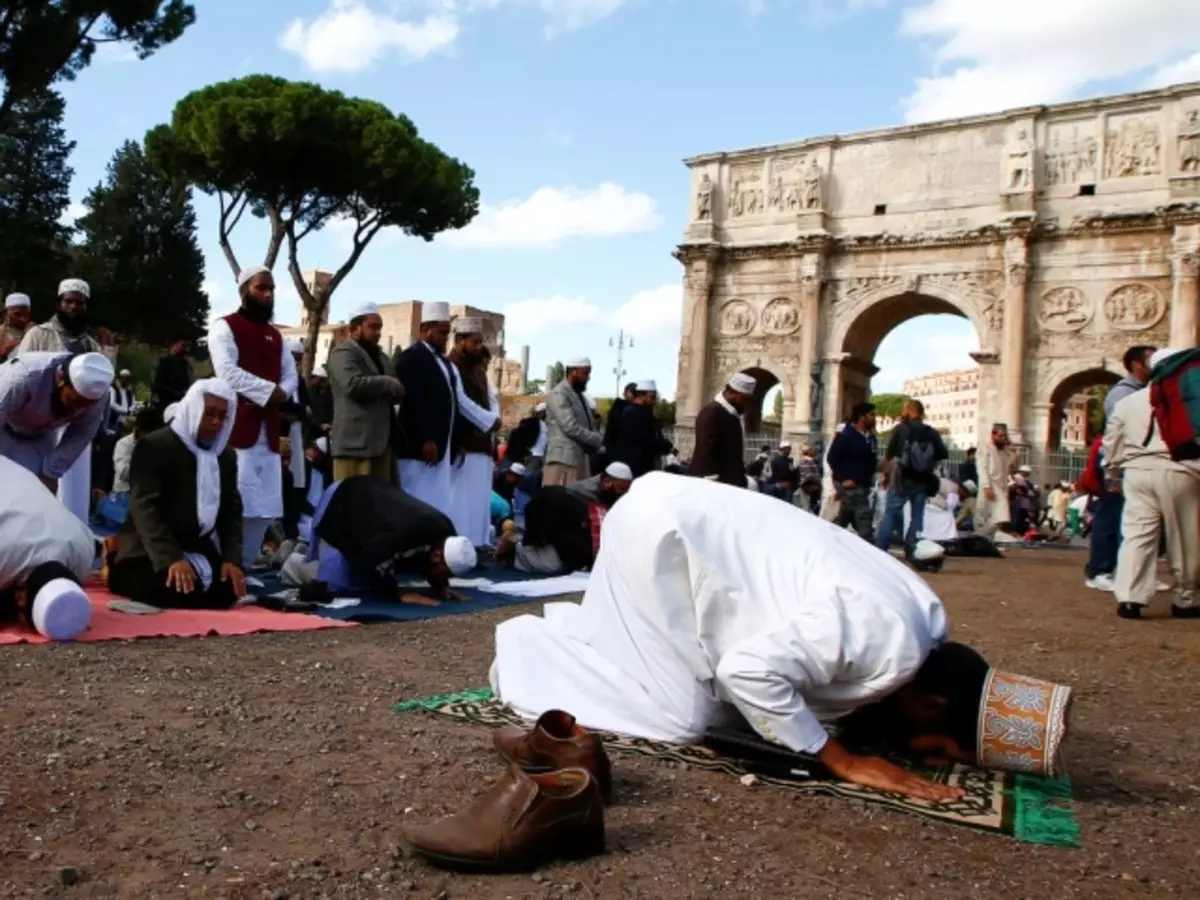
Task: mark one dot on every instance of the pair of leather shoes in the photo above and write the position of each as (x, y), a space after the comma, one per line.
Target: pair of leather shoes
(548, 805)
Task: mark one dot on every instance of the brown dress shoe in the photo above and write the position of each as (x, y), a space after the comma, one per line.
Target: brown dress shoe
(556, 742)
(524, 821)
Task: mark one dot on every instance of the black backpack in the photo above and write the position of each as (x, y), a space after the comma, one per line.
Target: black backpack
(919, 453)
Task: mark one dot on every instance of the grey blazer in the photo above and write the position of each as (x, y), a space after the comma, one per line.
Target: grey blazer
(362, 402)
(571, 431)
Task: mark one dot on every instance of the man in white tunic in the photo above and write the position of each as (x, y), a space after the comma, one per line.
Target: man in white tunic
(249, 354)
(691, 615)
(471, 475)
(51, 407)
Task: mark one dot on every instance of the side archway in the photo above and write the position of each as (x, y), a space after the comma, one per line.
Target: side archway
(1076, 423)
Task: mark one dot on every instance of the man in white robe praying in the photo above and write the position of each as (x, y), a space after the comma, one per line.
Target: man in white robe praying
(473, 466)
(692, 616)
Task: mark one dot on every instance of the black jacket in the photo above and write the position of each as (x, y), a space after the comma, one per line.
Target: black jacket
(522, 438)
(427, 413)
(172, 378)
(557, 518)
(639, 441)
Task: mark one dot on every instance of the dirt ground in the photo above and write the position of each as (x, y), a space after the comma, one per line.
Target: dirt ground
(272, 766)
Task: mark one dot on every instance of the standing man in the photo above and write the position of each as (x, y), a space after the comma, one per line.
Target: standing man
(433, 397)
(719, 454)
(967, 469)
(911, 465)
(17, 319)
(120, 407)
(612, 427)
(1137, 368)
(571, 430)
(248, 354)
(471, 475)
(639, 439)
(854, 459)
(363, 391)
(997, 460)
(172, 376)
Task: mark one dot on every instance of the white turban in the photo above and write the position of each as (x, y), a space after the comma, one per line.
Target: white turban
(249, 272)
(518, 469)
(1161, 356)
(435, 312)
(743, 383)
(619, 471)
(362, 310)
(15, 301)
(61, 610)
(927, 550)
(169, 413)
(74, 285)
(645, 387)
(294, 348)
(322, 444)
(579, 362)
(459, 555)
(91, 374)
(468, 325)
(185, 424)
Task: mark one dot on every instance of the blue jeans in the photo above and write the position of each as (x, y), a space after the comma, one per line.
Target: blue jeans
(893, 516)
(1106, 535)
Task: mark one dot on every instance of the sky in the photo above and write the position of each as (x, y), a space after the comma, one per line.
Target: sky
(576, 116)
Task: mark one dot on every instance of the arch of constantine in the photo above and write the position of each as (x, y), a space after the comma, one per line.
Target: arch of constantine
(1063, 233)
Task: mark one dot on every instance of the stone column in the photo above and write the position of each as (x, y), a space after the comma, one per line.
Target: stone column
(697, 287)
(811, 282)
(1185, 286)
(1012, 350)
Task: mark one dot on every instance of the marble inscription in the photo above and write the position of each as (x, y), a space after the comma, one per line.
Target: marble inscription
(1064, 308)
(1134, 307)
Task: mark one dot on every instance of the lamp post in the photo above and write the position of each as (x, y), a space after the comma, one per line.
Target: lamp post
(620, 342)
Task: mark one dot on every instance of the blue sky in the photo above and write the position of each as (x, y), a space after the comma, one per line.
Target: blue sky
(576, 114)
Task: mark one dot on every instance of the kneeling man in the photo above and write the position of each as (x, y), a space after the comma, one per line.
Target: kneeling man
(692, 615)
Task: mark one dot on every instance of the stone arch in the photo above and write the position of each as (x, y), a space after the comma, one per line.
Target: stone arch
(764, 382)
(1062, 383)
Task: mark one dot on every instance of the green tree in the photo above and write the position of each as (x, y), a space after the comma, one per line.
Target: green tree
(140, 254)
(534, 385)
(44, 41)
(776, 415)
(301, 157)
(35, 183)
(889, 405)
(556, 375)
(664, 412)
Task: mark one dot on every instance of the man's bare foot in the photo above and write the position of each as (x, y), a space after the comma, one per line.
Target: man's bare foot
(414, 599)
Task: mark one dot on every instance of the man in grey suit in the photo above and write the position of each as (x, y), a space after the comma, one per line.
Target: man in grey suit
(365, 391)
(571, 429)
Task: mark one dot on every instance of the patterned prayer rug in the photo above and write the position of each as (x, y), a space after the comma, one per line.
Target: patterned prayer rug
(1031, 809)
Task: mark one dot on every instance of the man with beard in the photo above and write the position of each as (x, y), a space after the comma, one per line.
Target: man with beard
(17, 319)
(471, 475)
(562, 524)
(364, 390)
(571, 430)
(249, 354)
(640, 442)
(997, 460)
(719, 454)
(172, 376)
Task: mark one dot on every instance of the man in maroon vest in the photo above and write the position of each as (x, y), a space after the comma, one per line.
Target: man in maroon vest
(248, 352)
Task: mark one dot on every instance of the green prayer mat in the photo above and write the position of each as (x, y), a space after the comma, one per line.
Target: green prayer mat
(1029, 808)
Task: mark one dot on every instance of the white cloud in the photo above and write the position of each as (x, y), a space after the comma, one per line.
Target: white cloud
(110, 52)
(922, 346)
(527, 319)
(652, 313)
(562, 15)
(222, 299)
(990, 56)
(72, 214)
(350, 36)
(551, 215)
(1185, 70)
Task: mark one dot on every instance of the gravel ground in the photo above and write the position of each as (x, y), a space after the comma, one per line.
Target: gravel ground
(271, 766)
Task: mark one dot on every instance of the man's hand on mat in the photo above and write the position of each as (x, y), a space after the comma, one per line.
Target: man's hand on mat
(181, 577)
(873, 772)
(234, 575)
(414, 599)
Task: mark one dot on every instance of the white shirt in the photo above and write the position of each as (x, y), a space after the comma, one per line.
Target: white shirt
(539, 446)
(35, 529)
(122, 457)
(223, 349)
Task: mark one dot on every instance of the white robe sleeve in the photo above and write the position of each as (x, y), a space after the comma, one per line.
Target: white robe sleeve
(75, 441)
(481, 418)
(222, 348)
(289, 378)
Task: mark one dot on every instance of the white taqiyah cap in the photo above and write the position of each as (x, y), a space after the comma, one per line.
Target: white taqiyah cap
(459, 554)
(645, 387)
(322, 444)
(249, 272)
(1161, 356)
(361, 310)
(74, 285)
(91, 374)
(15, 301)
(970, 486)
(540, 407)
(579, 362)
(295, 348)
(468, 325)
(61, 610)
(786, 445)
(619, 471)
(125, 373)
(518, 469)
(320, 372)
(927, 550)
(169, 413)
(435, 312)
(1025, 470)
(743, 383)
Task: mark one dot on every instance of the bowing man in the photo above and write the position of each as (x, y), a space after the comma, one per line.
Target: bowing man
(181, 546)
(51, 406)
(691, 617)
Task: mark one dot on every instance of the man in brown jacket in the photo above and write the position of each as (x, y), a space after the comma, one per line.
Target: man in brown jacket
(719, 454)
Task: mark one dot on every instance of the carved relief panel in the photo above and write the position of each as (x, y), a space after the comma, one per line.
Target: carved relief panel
(786, 184)
(735, 319)
(1072, 154)
(704, 198)
(1134, 307)
(1187, 136)
(1133, 146)
(1064, 309)
(746, 194)
(780, 317)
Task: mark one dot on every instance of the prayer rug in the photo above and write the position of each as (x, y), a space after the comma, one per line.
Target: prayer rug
(1031, 809)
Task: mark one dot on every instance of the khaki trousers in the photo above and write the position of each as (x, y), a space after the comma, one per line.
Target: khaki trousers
(1154, 499)
(560, 475)
(381, 467)
(991, 514)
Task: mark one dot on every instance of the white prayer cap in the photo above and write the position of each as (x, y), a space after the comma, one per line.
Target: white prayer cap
(970, 486)
(743, 383)
(518, 469)
(320, 372)
(540, 407)
(1025, 470)
(15, 301)
(362, 310)
(1161, 356)
(61, 610)
(169, 413)
(125, 373)
(927, 550)
(295, 348)
(579, 362)
(322, 444)
(249, 272)
(91, 374)
(459, 555)
(786, 445)
(74, 285)
(468, 325)
(619, 471)
(435, 312)
(645, 387)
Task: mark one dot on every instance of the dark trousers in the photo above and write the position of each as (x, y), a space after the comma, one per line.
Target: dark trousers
(293, 501)
(102, 461)
(856, 511)
(1106, 534)
(893, 518)
(138, 580)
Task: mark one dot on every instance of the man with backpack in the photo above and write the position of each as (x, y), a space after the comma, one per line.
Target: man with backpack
(910, 475)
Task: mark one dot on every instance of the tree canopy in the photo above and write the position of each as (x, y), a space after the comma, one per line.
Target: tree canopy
(138, 249)
(44, 41)
(302, 157)
(889, 406)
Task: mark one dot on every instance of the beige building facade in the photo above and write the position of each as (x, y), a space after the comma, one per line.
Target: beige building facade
(1063, 233)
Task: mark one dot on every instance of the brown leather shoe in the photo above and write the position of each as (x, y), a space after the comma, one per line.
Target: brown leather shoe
(556, 742)
(524, 821)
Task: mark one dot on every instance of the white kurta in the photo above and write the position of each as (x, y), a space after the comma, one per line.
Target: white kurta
(75, 487)
(938, 524)
(691, 611)
(471, 491)
(260, 472)
(35, 529)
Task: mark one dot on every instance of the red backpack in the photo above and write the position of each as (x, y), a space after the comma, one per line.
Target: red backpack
(1175, 403)
(1092, 479)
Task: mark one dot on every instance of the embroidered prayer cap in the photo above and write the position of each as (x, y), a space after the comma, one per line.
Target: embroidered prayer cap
(619, 471)
(459, 554)
(579, 362)
(294, 347)
(362, 310)
(1161, 356)
(646, 387)
(322, 444)
(169, 413)
(1022, 723)
(518, 469)
(468, 325)
(249, 272)
(74, 286)
(743, 383)
(435, 312)
(91, 374)
(927, 550)
(17, 301)
(61, 610)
